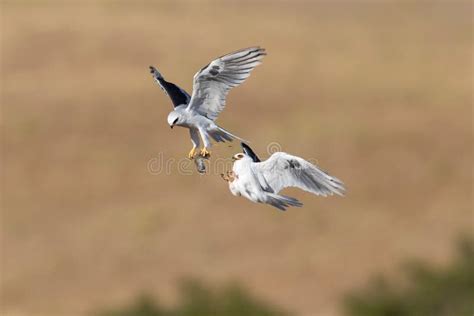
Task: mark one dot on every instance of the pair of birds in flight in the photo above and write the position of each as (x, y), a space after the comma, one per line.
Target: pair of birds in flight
(256, 180)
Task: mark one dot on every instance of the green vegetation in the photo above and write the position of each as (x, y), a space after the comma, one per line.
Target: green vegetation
(197, 300)
(430, 291)
(447, 291)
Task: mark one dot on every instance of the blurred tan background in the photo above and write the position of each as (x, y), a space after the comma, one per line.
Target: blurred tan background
(379, 93)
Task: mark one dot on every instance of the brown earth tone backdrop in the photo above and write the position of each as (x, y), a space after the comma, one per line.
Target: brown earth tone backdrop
(379, 93)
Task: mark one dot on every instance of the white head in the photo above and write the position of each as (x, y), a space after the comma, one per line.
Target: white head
(238, 156)
(174, 118)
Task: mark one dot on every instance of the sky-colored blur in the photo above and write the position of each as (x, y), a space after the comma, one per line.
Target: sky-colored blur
(379, 93)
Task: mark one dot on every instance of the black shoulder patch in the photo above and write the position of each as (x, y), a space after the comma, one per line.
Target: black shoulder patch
(294, 164)
(177, 95)
(249, 152)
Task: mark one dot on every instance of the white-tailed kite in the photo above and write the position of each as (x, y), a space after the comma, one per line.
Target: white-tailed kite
(260, 181)
(210, 88)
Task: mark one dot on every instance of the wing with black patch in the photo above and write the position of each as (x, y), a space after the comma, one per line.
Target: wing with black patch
(282, 170)
(213, 82)
(177, 95)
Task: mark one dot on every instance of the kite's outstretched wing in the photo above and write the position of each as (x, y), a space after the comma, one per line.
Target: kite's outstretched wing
(282, 170)
(213, 82)
(177, 95)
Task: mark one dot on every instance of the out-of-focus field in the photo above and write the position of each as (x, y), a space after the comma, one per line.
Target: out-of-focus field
(379, 94)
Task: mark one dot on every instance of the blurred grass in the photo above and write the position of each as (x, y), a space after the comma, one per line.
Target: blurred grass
(197, 300)
(428, 291)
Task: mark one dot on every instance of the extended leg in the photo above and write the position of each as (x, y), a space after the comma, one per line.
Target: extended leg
(205, 151)
(195, 140)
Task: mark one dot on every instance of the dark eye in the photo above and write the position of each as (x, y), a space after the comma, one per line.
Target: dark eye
(176, 120)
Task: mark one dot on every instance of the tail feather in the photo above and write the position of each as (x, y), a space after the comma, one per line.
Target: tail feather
(282, 202)
(222, 135)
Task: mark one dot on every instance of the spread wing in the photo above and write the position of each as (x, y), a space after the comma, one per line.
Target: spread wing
(177, 95)
(213, 82)
(282, 170)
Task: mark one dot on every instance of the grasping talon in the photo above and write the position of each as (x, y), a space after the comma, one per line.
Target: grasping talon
(225, 177)
(231, 176)
(205, 153)
(192, 153)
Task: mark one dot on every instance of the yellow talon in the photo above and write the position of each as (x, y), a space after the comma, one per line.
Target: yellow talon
(205, 153)
(231, 176)
(192, 153)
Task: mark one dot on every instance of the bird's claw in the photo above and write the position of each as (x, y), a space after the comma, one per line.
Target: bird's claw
(192, 153)
(229, 176)
(205, 153)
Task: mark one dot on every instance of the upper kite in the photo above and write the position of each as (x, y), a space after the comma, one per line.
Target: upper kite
(210, 88)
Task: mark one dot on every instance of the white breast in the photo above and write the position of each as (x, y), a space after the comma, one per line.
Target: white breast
(236, 186)
(245, 183)
(234, 189)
